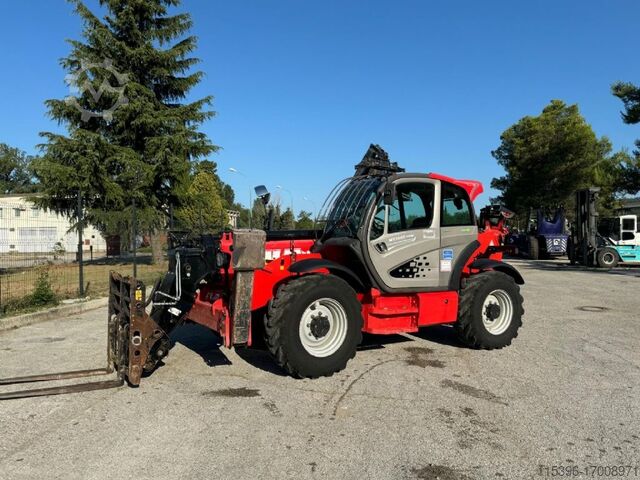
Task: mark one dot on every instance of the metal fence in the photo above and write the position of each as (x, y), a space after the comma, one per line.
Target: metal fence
(43, 259)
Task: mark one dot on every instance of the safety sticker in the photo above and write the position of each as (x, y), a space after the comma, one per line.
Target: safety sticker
(445, 265)
(447, 254)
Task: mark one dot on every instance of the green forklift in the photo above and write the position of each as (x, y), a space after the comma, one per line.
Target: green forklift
(603, 242)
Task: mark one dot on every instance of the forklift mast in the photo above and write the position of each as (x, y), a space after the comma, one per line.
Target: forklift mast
(585, 231)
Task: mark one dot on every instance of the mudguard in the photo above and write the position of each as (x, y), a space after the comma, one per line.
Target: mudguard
(484, 264)
(311, 264)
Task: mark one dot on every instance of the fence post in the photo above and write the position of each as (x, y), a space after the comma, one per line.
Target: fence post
(80, 260)
(134, 227)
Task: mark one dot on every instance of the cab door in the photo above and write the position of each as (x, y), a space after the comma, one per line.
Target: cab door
(458, 228)
(629, 230)
(403, 240)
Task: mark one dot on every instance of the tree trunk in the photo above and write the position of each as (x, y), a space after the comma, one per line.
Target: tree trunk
(156, 246)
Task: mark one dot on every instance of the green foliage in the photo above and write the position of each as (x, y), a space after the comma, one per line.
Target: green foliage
(304, 221)
(629, 173)
(42, 293)
(15, 176)
(286, 221)
(225, 190)
(630, 96)
(259, 214)
(548, 157)
(144, 148)
(58, 251)
(202, 208)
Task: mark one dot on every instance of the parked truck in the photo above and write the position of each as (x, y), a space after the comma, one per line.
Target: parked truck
(545, 235)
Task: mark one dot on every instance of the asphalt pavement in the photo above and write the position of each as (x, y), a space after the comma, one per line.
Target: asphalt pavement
(565, 394)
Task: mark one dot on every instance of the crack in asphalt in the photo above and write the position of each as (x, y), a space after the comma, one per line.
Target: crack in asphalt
(359, 377)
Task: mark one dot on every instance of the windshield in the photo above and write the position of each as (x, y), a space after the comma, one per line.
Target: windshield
(345, 207)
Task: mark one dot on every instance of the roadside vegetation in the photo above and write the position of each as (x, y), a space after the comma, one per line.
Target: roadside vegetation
(55, 283)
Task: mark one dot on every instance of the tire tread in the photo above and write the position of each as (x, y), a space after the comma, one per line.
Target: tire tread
(465, 327)
(275, 320)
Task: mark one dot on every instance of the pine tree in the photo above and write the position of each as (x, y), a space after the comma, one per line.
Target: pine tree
(131, 133)
(305, 220)
(629, 174)
(549, 156)
(287, 220)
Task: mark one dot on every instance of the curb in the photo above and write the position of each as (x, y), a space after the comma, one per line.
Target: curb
(11, 323)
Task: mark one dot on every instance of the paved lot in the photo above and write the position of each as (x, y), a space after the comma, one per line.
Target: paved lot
(567, 392)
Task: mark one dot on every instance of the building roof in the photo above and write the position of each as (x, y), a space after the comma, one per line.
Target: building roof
(630, 202)
(18, 195)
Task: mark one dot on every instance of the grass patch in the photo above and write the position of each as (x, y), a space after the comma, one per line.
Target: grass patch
(34, 288)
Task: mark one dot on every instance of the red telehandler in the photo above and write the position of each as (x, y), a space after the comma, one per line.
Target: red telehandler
(397, 251)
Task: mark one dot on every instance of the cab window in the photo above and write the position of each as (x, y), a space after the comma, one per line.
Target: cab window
(456, 207)
(412, 208)
(628, 224)
(377, 226)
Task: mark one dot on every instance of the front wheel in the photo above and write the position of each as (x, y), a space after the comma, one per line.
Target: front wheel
(490, 311)
(313, 325)
(607, 258)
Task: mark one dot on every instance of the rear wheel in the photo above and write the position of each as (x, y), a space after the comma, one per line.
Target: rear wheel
(313, 325)
(490, 311)
(534, 248)
(607, 258)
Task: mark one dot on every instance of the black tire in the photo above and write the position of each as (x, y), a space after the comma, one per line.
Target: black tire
(282, 325)
(470, 326)
(607, 258)
(534, 248)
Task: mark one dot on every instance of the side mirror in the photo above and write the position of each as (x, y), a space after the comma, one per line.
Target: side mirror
(263, 194)
(389, 195)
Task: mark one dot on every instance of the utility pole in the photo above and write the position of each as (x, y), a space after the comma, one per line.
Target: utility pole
(80, 263)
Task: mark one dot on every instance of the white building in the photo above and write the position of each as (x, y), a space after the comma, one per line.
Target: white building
(232, 216)
(24, 228)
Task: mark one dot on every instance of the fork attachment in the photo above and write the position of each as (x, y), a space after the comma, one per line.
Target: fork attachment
(135, 343)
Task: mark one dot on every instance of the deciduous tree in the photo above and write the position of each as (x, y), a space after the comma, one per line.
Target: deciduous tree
(202, 207)
(15, 176)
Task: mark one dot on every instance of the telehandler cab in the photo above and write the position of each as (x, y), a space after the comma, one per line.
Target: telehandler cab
(397, 251)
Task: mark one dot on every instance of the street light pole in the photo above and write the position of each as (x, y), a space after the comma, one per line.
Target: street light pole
(280, 187)
(313, 204)
(238, 172)
(315, 212)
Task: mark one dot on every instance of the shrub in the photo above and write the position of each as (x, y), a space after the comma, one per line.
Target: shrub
(58, 251)
(43, 294)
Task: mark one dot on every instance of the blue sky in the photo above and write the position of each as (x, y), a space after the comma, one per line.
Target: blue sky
(303, 87)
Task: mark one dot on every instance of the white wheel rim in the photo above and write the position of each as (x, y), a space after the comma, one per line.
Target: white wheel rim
(608, 258)
(323, 327)
(497, 312)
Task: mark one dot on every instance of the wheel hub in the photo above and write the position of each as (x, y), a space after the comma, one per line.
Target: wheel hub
(492, 311)
(319, 326)
(323, 327)
(497, 312)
